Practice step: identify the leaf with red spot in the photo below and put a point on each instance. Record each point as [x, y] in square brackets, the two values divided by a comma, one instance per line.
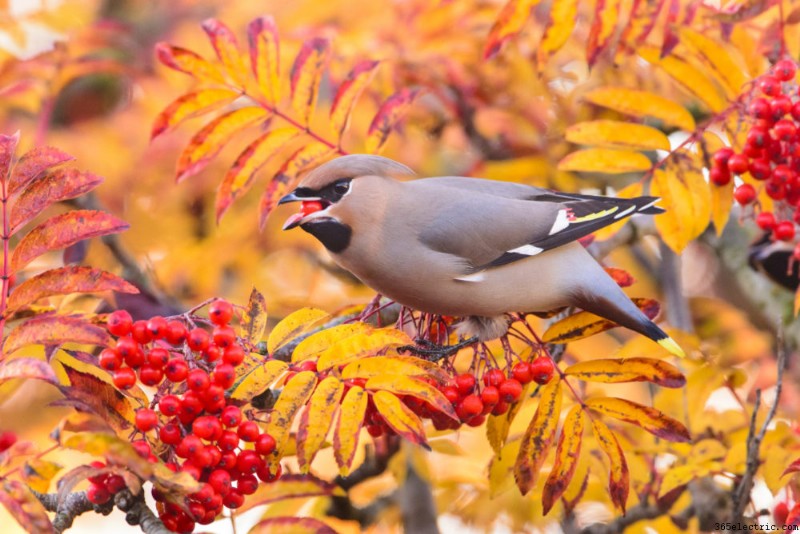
[644, 14]
[191, 105]
[62, 231]
[311, 154]
[241, 175]
[558, 29]
[509, 23]
[400, 418]
[568, 451]
[26, 368]
[619, 479]
[33, 164]
[670, 37]
[188, 62]
[622, 277]
[63, 184]
[296, 525]
[347, 94]
[66, 280]
[290, 487]
[645, 417]
[348, 428]
[262, 36]
[584, 324]
[224, 42]
[615, 371]
[8, 145]
[306, 76]
[207, 143]
[316, 420]
[387, 117]
[606, 15]
[24, 507]
[538, 437]
[55, 330]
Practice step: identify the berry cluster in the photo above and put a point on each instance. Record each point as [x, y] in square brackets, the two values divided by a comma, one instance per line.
[771, 153]
[104, 486]
[206, 435]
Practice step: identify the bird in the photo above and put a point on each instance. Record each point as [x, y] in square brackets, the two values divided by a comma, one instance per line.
[472, 248]
[776, 260]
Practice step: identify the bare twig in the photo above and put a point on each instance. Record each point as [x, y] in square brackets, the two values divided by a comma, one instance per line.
[417, 508]
[74, 505]
[639, 512]
[678, 313]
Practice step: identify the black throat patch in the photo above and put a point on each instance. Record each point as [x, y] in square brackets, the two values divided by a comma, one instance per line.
[334, 235]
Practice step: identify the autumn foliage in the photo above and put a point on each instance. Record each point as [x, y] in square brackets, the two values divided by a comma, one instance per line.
[192, 363]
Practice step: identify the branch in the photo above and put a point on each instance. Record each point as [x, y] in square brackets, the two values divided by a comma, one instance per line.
[678, 313]
[640, 512]
[74, 505]
[417, 508]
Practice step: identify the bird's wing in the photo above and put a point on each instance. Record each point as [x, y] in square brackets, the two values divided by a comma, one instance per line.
[488, 187]
[490, 230]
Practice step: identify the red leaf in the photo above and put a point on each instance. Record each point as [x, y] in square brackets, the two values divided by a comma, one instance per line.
[227, 48]
[66, 280]
[55, 330]
[644, 14]
[33, 163]
[306, 76]
[262, 35]
[8, 145]
[62, 231]
[24, 506]
[794, 467]
[191, 105]
[347, 94]
[605, 22]
[27, 368]
[670, 38]
[188, 62]
[62, 184]
[387, 117]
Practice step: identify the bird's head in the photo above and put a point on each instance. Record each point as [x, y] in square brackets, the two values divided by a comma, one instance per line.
[331, 191]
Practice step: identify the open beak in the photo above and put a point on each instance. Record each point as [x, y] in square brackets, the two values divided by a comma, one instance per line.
[291, 197]
[309, 206]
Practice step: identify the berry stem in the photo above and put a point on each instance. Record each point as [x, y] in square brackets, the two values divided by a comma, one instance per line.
[6, 266]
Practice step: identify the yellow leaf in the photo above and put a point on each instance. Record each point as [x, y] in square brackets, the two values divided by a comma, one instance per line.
[728, 71]
[262, 35]
[707, 449]
[721, 204]
[509, 23]
[379, 366]
[645, 417]
[293, 396]
[617, 134]
[605, 160]
[306, 76]
[559, 28]
[641, 104]
[618, 477]
[680, 475]
[539, 436]
[318, 342]
[360, 346]
[295, 525]
[258, 379]
[399, 417]
[685, 196]
[254, 319]
[796, 301]
[347, 94]
[606, 18]
[567, 452]
[317, 419]
[584, 324]
[293, 326]
[614, 371]
[400, 384]
[497, 426]
[191, 105]
[38, 473]
[500, 478]
[348, 427]
[290, 487]
[227, 48]
[692, 80]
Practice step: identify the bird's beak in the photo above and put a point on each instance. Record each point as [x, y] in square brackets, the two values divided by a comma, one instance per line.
[309, 206]
[291, 197]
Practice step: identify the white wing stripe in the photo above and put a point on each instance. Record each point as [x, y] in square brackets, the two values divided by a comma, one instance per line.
[527, 250]
[624, 213]
[561, 222]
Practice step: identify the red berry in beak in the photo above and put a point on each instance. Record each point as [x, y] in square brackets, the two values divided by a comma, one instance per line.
[310, 206]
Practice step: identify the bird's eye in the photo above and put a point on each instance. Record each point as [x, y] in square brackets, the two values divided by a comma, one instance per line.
[341, 187]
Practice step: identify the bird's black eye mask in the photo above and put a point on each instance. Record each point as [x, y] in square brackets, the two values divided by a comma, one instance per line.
[330, 194]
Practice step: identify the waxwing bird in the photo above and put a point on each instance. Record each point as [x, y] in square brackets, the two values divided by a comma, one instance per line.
[467, 247]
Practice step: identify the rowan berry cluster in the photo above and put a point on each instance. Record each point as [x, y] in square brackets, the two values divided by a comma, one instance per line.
[205, 434]
[771, 153]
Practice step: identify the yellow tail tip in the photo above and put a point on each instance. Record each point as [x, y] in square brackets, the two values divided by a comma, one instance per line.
[673, 348]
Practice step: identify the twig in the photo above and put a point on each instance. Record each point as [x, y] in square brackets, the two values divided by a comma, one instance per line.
[74, 505]
[678, 313]
[639, 512]
[741, 495]
[417, 508]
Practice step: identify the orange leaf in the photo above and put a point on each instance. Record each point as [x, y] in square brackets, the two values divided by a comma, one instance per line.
[618, 476]
[400, 384]
[691, 79]
[641, 104]
[26, 368]
[387, 117]
[33, 164]
[615, 371]
[605, 160]
[311, 154]
[24, 507]
[539, 436]
[289, 487]
[66, 280]
[686, 197]
[567, 452]
[89, 393]
[62, 184]
[348, 427]
[207, 143]
[55, 330]
[293, 397]
[400, 418]
[584, 324]
[188, 62]
[227, 48]
[62, 231]
[295, 525]
[347, 94]
[509, 23]
[262, 35]
[617, 134]
[254, 319]
[644, 14]
[558, 29]
[240, 176]
[645, 417]
[603, 27]
[8, 145]
[622, 277]
[191, 105]
[317, 419]
[306, 76]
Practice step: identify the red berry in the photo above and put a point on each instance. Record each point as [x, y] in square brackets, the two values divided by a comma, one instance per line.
[308, 365]
[101, 478]
[176, 332]
[719, 176]
[542, 370]
[114, 484]
[521, 372]
[471, 406]
[220, 480]
[198, 339]
[146, 419]
[142, 448]
[248, 431]
[796, 111]
[169, 405]
[785, 69]
[744, 194]
[500, 408]
[765, 220]
[188, 446]
[7, 439]
[780, 513]
[110, 360]
[157, 357]
[198, 380]
[784, 231]
[490, 396]
[493, 377]
[119, 323]
[247, 484]
[231, 416]
[150, 376]
[97, 494]
[233, 500]
[780, 106]
[212, 353]
[224, 375]
[176, 370]
[140, 333]
[127, 347]
[759, 108]
[769, 85]
[207, 427]
[220, 312]
[722, 156]
[510, 390]
[157, 326]
[228, 441]
[124, 378]
[476, 421]
[465, 383]
[451, 393]
[191, 406]
[170, 434]
[224, 336]
[248, 461]
[760, 169]
[775, 190]
[213, 398]
[785, 130]
[758, 138]
[233, 355]
[738, 163]
[265, 444]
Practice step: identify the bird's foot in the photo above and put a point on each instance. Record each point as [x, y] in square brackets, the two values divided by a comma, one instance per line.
[435, 352]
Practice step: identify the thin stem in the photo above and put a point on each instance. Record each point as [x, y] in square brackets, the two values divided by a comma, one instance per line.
[6, 267]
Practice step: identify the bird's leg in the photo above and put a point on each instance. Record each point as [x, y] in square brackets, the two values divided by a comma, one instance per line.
[438, 351]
